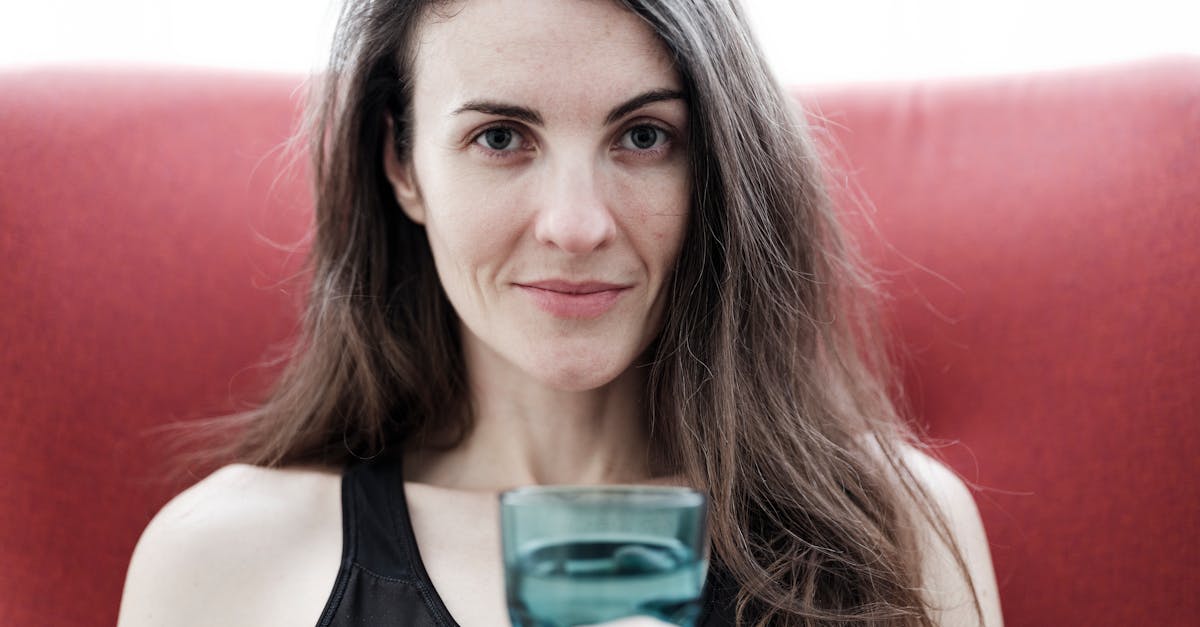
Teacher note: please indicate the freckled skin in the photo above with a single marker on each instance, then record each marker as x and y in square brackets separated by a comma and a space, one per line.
[573, 199]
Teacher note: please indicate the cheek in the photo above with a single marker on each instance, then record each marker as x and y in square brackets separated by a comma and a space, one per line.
[657, 206]
[471, 220]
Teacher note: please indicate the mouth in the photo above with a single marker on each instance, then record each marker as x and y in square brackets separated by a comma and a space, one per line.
[574, 300]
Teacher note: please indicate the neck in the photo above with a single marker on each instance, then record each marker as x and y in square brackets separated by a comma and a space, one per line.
[527, 433]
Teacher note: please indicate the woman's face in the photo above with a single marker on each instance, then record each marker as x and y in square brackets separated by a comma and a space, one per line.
[550, 173]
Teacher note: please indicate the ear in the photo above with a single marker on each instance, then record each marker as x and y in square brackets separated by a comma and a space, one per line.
[402, 178]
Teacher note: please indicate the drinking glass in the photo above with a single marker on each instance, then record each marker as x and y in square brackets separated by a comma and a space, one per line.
[581, 555]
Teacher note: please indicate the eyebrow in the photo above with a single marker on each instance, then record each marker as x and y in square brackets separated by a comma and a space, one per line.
[531, 116]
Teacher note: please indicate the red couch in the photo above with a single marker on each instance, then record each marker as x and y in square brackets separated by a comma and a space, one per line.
[1041, 246]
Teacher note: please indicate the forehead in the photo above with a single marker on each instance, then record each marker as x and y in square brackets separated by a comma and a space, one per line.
[550, 52]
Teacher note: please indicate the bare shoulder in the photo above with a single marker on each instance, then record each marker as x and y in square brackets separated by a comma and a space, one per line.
[227, 549]
[943, 580]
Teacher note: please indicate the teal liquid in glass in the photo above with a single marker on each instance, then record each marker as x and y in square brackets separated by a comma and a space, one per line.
[602, 577]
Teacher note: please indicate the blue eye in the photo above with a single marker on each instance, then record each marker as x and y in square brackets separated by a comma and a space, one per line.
[500, 139]
[643, 137]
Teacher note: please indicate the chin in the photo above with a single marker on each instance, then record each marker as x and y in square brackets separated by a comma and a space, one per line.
[577, 373]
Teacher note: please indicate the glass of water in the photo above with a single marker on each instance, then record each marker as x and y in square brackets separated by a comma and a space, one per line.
[581, 555]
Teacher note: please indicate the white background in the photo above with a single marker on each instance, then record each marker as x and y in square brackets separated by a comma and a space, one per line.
[806, 41]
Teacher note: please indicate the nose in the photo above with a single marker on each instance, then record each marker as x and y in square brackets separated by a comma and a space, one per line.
[572, 214]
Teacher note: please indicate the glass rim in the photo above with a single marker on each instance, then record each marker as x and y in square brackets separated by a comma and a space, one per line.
[658, 494]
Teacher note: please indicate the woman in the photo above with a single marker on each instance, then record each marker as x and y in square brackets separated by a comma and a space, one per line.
[579, 242]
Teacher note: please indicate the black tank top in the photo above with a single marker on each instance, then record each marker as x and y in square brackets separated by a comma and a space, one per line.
[382, 582]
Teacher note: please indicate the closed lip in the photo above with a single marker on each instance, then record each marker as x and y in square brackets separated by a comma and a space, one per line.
[580, 300]
[574, 287]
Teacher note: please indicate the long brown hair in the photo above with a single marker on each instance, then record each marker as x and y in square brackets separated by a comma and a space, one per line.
[769, 385]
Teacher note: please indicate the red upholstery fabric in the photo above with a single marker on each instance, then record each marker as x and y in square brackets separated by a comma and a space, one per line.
[1040, 241]
[137, 290]
[1041, 236]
